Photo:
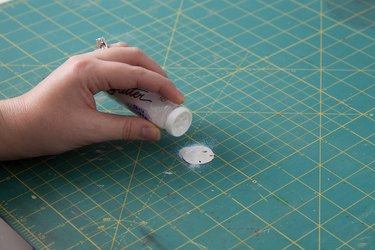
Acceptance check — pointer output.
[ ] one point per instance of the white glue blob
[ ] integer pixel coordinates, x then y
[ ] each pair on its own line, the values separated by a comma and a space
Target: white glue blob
197, 154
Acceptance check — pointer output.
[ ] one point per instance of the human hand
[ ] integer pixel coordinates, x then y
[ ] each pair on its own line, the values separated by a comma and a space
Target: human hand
60, 113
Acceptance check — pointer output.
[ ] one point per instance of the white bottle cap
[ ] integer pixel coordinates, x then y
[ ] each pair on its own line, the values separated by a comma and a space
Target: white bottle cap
178, 121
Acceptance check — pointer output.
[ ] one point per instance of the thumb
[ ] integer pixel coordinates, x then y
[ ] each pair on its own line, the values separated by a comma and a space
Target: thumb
119, 127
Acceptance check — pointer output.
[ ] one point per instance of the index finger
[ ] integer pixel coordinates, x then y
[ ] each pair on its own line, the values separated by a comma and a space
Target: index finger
113, 75
129, 55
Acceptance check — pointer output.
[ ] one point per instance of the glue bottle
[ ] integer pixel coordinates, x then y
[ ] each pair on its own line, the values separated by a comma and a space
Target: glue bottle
175, 119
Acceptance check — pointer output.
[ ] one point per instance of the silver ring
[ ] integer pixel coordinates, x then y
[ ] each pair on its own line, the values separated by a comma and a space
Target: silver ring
101, 43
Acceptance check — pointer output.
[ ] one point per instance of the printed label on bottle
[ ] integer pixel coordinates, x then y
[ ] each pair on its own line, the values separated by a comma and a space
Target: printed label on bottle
139, 111
135, 93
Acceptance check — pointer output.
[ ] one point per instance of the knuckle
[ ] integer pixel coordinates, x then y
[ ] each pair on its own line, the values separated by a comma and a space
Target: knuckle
138, 71
127, 130
121, 44
79, 64
137, 52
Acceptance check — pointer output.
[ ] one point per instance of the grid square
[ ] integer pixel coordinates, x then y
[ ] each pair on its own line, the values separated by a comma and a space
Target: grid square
66, 19
229, 30
343, 194
166, 238
273, 179
270, 209
191, 224
221, 208
363, 240
362, 180
263, 236
363, 208
342, 165
329, 241
247, 193
349, 226
294, 194
342, 139
224, 239
309, 240
296, 225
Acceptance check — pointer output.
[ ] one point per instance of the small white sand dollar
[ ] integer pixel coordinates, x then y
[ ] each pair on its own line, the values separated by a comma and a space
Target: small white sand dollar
196, 154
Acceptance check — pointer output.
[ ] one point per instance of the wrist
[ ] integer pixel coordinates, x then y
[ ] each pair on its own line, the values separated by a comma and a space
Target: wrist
10, 128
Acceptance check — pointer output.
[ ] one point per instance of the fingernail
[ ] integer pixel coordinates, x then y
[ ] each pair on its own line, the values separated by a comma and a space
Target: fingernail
150, 134
165, 73
182, 97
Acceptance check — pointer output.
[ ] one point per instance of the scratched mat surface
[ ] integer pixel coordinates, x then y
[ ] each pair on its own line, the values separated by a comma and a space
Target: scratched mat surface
282, 91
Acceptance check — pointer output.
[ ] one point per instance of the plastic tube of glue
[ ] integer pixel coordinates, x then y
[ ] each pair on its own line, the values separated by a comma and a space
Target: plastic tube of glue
175, 119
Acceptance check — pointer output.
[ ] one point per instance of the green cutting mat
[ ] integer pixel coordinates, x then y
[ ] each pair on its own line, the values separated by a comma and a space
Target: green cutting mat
283, 92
